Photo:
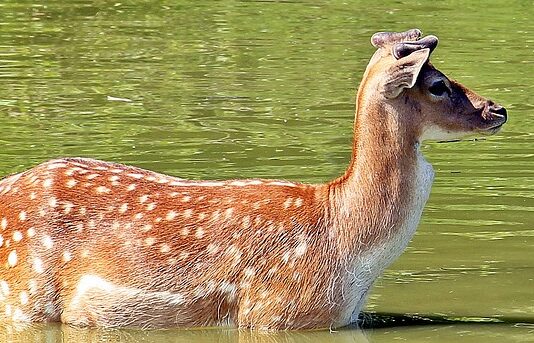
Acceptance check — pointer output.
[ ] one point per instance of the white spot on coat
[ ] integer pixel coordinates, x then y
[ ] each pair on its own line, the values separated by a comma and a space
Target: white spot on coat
286, 257
246, 222
188, 213
68, 207
199, 232
114, 178
32, 286
71, 171
199, 183
22, 216
171, 215
23, 297
17, 236
228, 288
212, 248
249, 272
67, 256
123, 208
12, 258
287, 203
242, 183
71, 183
92, 176
57, 165
4, 287
282, 183
19, 316
102, 189
47, 242
301, 249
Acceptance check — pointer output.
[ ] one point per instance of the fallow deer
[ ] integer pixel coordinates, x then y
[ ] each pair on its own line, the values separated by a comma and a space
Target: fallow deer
95, 243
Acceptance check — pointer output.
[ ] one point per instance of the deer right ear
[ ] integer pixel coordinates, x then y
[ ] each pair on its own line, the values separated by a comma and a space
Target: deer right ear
403, 74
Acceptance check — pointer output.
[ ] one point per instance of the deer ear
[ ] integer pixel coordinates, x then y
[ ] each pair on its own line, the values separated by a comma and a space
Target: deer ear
403, 74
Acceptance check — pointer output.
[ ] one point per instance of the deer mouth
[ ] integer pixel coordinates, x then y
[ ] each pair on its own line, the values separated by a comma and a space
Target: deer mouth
497, 121
493, 130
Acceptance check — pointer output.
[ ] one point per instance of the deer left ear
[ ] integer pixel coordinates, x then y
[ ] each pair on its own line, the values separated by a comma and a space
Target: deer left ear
403, 74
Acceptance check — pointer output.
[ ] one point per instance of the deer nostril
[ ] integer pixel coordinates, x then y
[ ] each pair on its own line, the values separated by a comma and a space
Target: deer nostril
499, 110
496, 108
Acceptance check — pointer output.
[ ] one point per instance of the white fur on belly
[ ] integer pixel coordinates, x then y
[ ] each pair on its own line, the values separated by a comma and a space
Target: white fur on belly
89, 283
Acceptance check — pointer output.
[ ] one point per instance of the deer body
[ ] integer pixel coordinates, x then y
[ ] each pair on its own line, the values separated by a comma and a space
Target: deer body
194, 252
95, 243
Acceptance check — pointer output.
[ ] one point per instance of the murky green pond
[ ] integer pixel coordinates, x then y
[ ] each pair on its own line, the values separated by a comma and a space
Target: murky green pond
231, 89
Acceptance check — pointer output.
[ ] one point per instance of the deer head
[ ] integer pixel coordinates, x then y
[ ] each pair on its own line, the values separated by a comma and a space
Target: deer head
401, 79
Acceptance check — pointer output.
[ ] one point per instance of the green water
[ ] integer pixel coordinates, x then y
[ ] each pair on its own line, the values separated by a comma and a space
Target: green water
233, 89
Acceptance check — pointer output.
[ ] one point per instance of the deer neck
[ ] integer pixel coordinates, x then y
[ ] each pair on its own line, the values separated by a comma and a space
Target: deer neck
386, 185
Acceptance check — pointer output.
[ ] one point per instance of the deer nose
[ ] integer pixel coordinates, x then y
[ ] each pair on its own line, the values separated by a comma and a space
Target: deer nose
497, 109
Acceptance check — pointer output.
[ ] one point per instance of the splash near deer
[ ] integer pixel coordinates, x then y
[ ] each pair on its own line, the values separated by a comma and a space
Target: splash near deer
95, 243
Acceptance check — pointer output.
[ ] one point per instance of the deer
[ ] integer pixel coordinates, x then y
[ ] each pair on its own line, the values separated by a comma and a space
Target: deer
101, 244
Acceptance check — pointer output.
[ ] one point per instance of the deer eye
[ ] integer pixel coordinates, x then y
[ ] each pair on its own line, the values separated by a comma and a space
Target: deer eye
439, 88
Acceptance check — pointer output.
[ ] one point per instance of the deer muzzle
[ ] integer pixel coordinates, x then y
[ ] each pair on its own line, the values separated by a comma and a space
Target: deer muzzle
495, 115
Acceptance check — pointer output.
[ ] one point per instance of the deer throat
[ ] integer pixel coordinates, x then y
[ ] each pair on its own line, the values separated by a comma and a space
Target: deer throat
393, 238
369, 262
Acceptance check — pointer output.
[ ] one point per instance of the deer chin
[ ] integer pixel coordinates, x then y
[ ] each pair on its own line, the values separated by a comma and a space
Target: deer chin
494, 126
492, 130
437, 133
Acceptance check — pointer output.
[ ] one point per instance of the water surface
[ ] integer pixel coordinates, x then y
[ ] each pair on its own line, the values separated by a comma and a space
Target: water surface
231, 89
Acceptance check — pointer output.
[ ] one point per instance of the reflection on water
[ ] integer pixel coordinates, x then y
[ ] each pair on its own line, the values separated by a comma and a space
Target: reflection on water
492, 333
234, 89
63, 333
